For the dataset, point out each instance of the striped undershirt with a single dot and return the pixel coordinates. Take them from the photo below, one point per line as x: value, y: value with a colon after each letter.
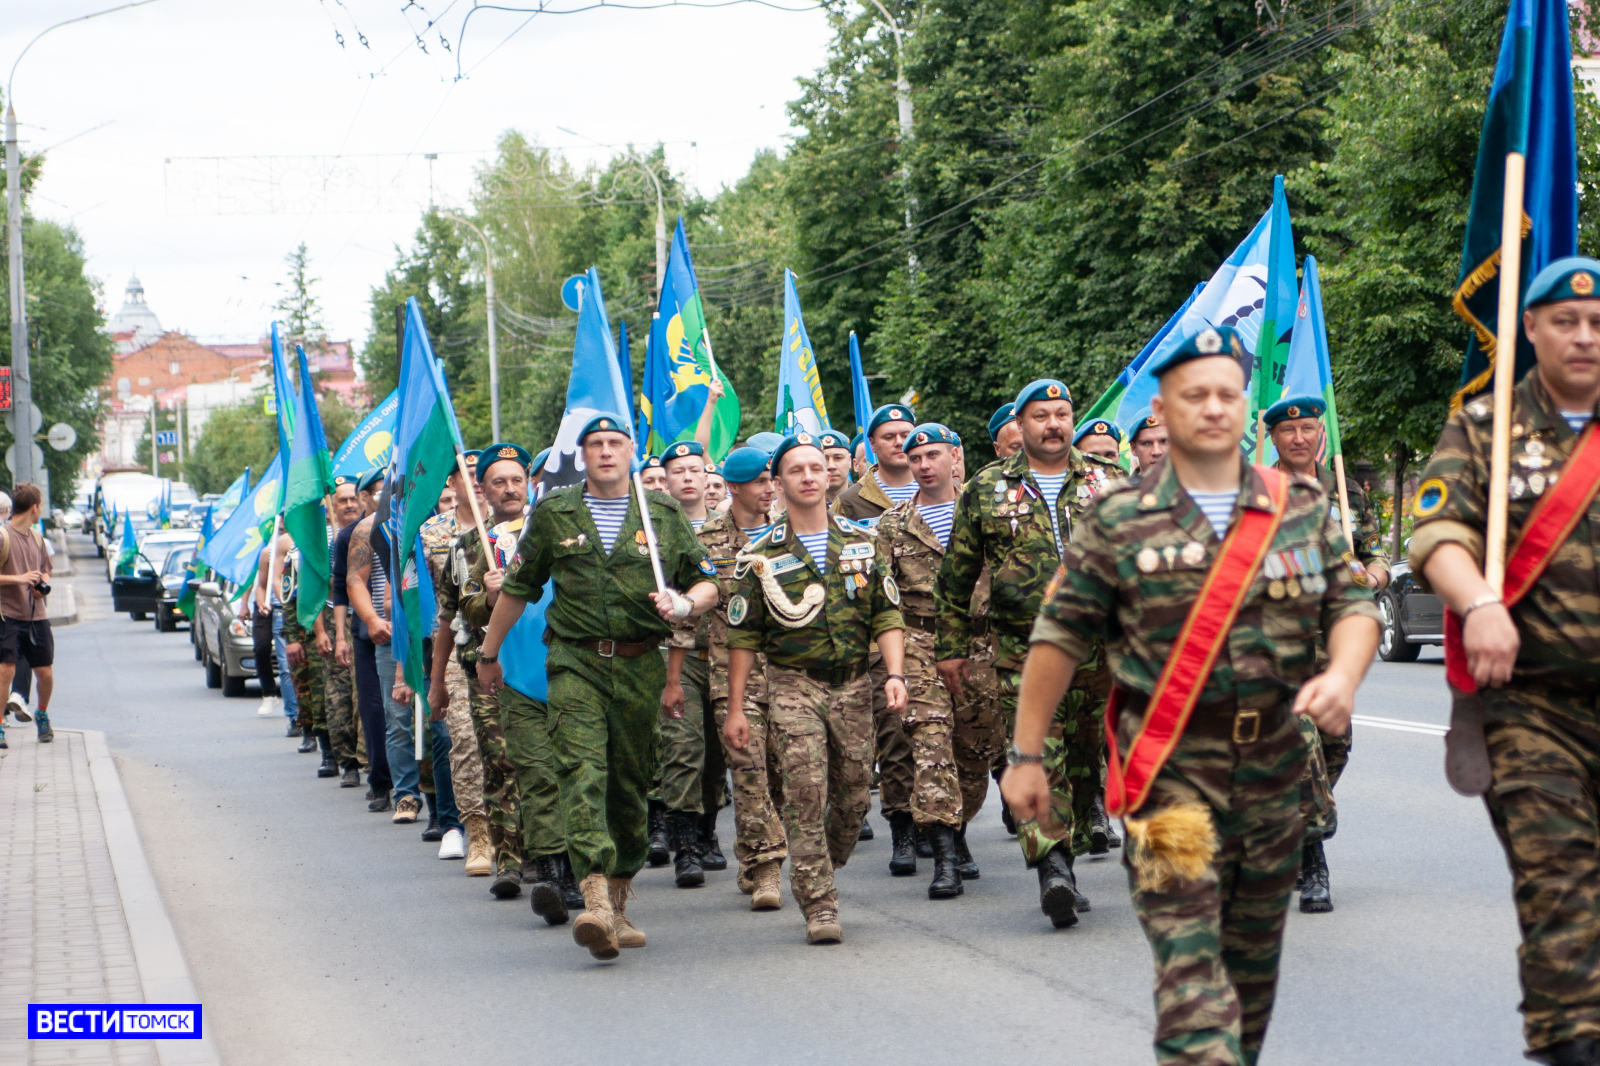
x: 817, y: 545
x: 608, y: 517
x: 697, y: 523
x: 1050, y: 486
x: 378, y: 584
x: 754, y: 532
x: 897, y: 493
x: 1218, y: 507
x: 1576, y: 419
x: 939, y: 517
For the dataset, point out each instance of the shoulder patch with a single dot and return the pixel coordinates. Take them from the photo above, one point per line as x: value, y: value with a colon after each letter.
x: 737, y: 607
x: 891, y: 591
x: 777, y: 533
x: 1431, y: 497
x: 1480, y: 408
x: 707, y: 568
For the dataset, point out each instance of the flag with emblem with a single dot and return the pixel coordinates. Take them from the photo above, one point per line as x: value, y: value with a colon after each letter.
x: 595, y: 386
x: 800, y: 402
x: 234, y: 493
x: 1277, y: 309
x: 1309, y: 371
x: 679, y: 364
x: 128, y: 550
x: 307, y: 480
x: 1109, y: 405
x: 1530, y: 113
x: 860, y: 394
x: 233, y: 549
x: 195, y: 569
x: 368, y: 445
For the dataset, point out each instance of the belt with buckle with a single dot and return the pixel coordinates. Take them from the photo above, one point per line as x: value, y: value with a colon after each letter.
x: 923, y: 622
x: 980, y: 626
x: 842, y: 675
x: 1219, y: 719
x: 610, y: 649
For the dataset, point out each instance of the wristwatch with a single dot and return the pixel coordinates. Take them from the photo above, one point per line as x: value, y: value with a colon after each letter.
x: 1016, y: 756
x: 484, y: 657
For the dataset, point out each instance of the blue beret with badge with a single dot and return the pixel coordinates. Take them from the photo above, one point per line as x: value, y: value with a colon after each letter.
x: 930, y: 433
x: 711, y: 468
x: 1572, y: 277
x: 1145, y: 419
x: 496, y: 453
x: 790, y: 443
x: 1043, y: 389
x: 889, y: 412
x: 602, y: 422
x: 1294, y: 407
x: 682, y: 450
x: 857, y: 441
x: 765, y: 441
x: 369, y: 479
x: 1000, y: 419
x: 832, y: 438
x: 1219, y: 340
x: 472, y: 456
x: 653, y: 460
x: 1102, y: 426
x: 743, y: 465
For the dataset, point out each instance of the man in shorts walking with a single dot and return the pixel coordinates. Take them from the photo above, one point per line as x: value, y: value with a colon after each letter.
x: 24, y: 585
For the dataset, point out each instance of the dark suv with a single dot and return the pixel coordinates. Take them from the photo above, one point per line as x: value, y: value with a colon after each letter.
x: 1411, y: 617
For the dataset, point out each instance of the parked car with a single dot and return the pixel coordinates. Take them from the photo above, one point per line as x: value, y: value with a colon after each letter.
x: 227, y: 645
x: 1411, y: 617
x: 140, y: 592
x: 174, y: 572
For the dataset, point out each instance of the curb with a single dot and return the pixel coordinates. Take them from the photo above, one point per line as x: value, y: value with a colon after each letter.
x: 69, y: 616
x: 163, y: 970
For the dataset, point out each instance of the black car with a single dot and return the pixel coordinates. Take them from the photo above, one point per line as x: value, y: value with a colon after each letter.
x: 1411, y: 617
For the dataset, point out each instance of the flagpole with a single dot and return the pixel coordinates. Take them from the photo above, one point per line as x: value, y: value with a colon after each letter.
x: 649, y: 532
x: 416, y: 704
x: 272, y: 557
x: 1505, y: 369
x: 472, y: 498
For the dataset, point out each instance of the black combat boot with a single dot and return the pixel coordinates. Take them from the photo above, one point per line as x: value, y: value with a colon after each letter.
x: 1058, y: 889
x: 433, y: 833
x: 1315, y: 897
x: 685, y: 829
x: 966, y: 866
x: 329, y: 768
x: 660, y: 850
x: 1006, y: 818
x: 866, y: 829
x: 507, y: 882
x: 924, y: 845
x: 903, y: 859
x: 711, y: 857
x: 946, y: 883
x: 571, y: 894
x: 1099, y: 829
x: 380, y: 800
x: 294, y: 728
x: 1584, y: 1051
x: 352, y: 777
x: 546, y: 890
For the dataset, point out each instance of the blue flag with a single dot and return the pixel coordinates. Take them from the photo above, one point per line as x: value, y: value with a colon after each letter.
x: 636, y: 418
x: 677, y: 384
x: 368, y: 445
x: 800, y: 402
x: 128, y: 550
x: 595, y: 387
x: 860, y: 394
x: 234, y: 493
x: 232, y: 551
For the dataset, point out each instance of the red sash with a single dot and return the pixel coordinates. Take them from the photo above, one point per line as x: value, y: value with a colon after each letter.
x: 1193, y: 653
x: 1549, y: 524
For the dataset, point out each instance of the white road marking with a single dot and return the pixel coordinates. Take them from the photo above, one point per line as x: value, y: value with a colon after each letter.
x: 1401, y: 724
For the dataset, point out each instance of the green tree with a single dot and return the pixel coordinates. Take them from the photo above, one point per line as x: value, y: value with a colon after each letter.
x: 299, y: 306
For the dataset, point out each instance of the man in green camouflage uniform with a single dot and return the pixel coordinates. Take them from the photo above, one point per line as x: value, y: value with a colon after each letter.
x: 812, y: 594
x: 605, y: 677
x: 344, y: 732
x: 1004, y: 520
x: 1537, y: 665
x: 1214, y: 845
x: 1295, y: 423
x: 913, y: 533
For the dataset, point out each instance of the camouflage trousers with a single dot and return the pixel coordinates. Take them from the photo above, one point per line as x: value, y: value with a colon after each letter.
x: 693, y: 774
x: 526, y: 722
x: 1544, y: 754
x: 1329, y: 756
x: 897, y: 767
x: 1074, y: 762
x: 979, y: 738
x: 825, y: 738
x: 344, y: 731
x: 466, y: 762
x: 756, y: 773
x: 500, y: 793
x: 603, y: 714
x: 310, y: 676
x: 928, y: 725
x: 1217, y: 939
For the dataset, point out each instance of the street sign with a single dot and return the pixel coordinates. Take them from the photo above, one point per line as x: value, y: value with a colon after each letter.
x: 572, y: 291
x: 35, y: 420
x: 5, y: 388
x: 166, y: 436
x: 11, y: 458
x: 62, y: 436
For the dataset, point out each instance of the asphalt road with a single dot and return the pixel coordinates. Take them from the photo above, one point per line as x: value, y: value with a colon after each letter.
x: 320, y: 933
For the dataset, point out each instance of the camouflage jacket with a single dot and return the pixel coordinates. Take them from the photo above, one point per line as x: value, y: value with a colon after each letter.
x: 438, y: 534
x: 604, y: 595
x: 722, y: 540
x: 859, y: 597
x: 1001, y: 520
x: 864, y: 500
x: 1559, y: 619
x: 1140, y: 556
x: 1363, y: 520
x: 914, y: 555
x: 458, y: 581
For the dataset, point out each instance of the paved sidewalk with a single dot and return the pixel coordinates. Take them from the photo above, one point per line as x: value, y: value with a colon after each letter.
x: 81, y: 920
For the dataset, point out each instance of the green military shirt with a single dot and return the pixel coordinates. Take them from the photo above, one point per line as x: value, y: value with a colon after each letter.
x: 723, y: 541
x: 859, y: 599
x: 1139, y: 557
x: 864, y: 500
x: 604, y: 595
x: 1559, y: 618
x: 1001, y: 520
x: 1363, y: 519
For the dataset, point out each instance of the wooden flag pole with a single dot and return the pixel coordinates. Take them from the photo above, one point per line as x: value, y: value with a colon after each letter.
x: 472, y: 498
x: 649, y: 532
x: 1507, y: 325
x: 1344, y: 502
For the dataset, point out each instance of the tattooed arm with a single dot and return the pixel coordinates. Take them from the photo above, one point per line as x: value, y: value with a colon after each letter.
x: 358, y: 582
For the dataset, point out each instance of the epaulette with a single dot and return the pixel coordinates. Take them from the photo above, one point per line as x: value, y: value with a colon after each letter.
x: 435, y: 520
x: 657, y: 496
x: 1481, y: 408
x: 849, y: 527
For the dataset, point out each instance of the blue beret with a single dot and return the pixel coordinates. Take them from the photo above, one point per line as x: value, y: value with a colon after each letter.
x: 789, y: 444
x: 832, y: 438
x: 653, y: 460
x: 889, y: 412
x: 765, y: 441
x: 931, y: 433
x: 711, y: 468
x: 997, y: 421
x: 1294, y: 407
x: 857, y: 441
x: 682, y: 450
x: 1573, y: 277
x: 599, y: 422
x: 495, y: 453
x: 370, y: 478
x: 538, y: 461
x: 1103, y: 426
x: 743, y: 465
x: 1222, y: 340
x: 1145, y: 419
x: 1043, y: 389
x: 472, y: 456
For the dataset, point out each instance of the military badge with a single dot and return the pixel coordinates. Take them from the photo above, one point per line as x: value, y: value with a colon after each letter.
x: 802, y: 438
x: 511, y: 453
x: 682, y: 449
x: 1193, y: 554
x: 736, y: 610
x: 1293, y: 411
x: 1053, y: 391
x: 1147, y: 560
x: 1431, y: 496
x: 891, y: 590
x: 1100, y: 427
x: 1582, y: 283
x: 1209, y: 342
x: 707, y: 568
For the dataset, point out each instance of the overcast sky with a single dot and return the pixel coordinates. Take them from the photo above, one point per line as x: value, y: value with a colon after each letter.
x: 190, y: 94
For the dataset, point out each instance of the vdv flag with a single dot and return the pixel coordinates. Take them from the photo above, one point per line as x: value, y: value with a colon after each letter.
x: 1110, y: 402
x: 233, y: 495
x: 1309, y: 371
x: 595, y: 387
x: 1530, y: 113
x: 233, y: 550
x: 800, y: 402
x: 1278, y: 308
x: 636, y: 418
x: 195, y: 567
x: 678, y: 384
x: 128, y: 550
x: 860, y: 394
x: 368, y: 445
x: 307, y: 482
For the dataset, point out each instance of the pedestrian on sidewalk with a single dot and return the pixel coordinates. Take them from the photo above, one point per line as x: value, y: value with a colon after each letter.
x: 25, y: 632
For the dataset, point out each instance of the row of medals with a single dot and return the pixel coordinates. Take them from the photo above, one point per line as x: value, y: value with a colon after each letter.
x: 854, y: 571
x: 1532, y: 458
x: 1290, y: 573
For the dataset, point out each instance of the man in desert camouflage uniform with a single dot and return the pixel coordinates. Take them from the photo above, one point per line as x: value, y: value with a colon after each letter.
x: 1213, y: 814
x: 1533, y: 750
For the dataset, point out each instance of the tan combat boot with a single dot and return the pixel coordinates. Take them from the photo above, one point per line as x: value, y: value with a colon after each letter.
x: 628, y: 934
x: 767, y: 893
x: 480, y: 855
x: 745, y: 879
x: 594, y: 928
x: 822, y: 922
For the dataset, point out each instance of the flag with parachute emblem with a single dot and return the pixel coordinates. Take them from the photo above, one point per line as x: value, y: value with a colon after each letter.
x: 307, y: 480
x: 800, y: 402
x: 368, y: 445
x: 594, y: 388
x: 233, y: 549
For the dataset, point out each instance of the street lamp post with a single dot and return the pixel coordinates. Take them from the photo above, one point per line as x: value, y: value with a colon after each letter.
x: 494, y: 357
